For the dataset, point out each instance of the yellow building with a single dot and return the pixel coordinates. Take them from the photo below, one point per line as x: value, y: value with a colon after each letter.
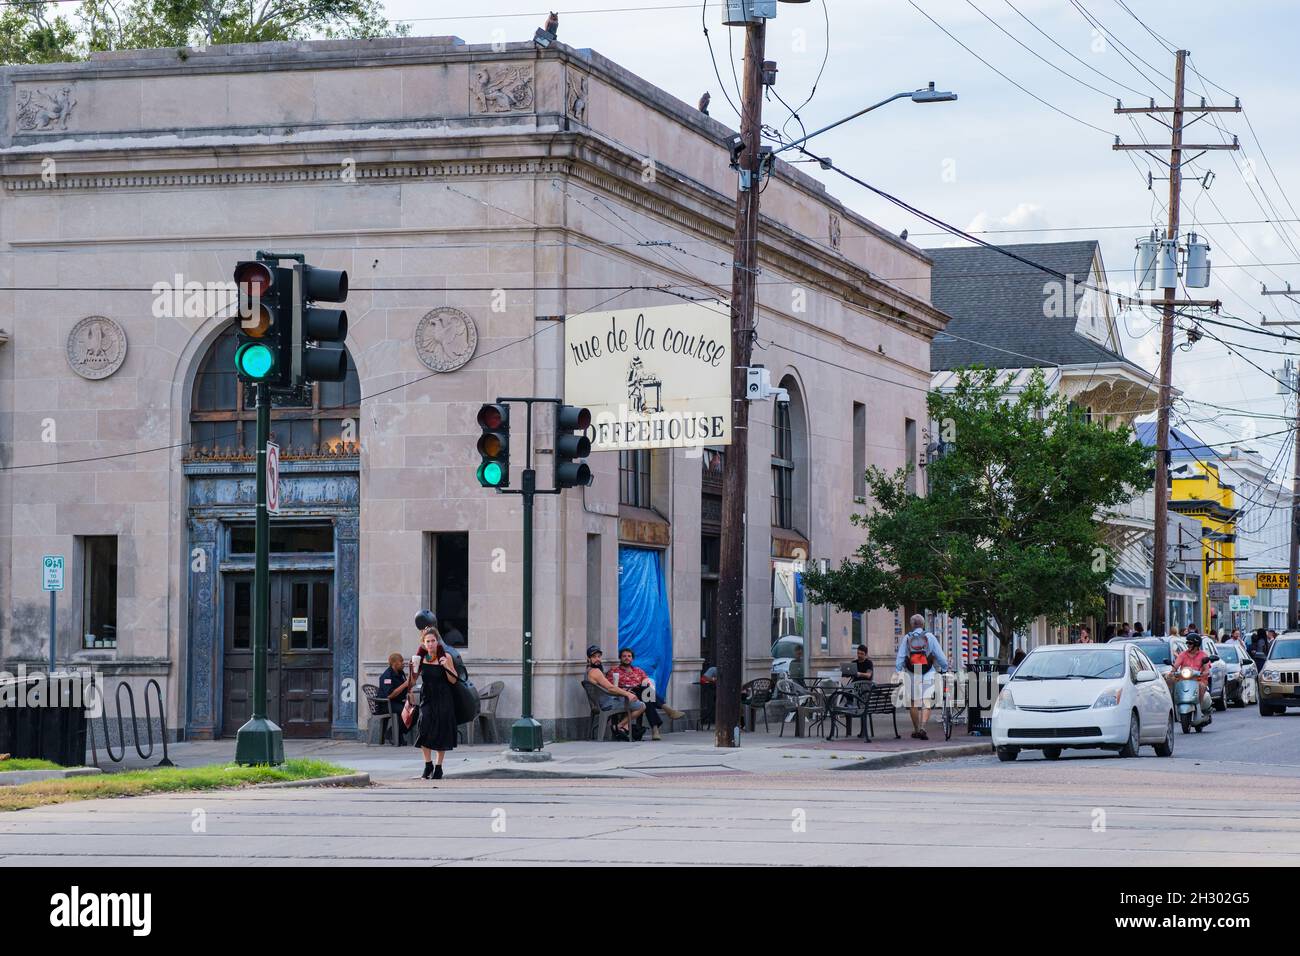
x: 1199, y: 492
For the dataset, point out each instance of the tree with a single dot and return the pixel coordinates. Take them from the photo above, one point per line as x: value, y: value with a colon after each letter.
x: 1008, y: 530
x: 29, y: 33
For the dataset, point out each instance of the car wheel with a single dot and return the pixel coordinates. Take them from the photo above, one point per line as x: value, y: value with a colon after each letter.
x: 1166, y: 747
x: 1007, y: 754
x: 1267, y: 711
x: 1222, y: 703
x: 1130, y: 748
x: 1185, y: 721
x: 1052, y: 753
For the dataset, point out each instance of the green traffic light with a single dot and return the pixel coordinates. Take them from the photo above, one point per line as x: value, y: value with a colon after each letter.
x: 490, y: 474
x: 255, y: 360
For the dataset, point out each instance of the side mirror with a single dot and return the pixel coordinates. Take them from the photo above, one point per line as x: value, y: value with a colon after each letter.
x: 1213, y: 658
x: 1145, y: 677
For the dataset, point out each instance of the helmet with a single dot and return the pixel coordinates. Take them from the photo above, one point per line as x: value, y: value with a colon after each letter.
x: 1194, y: 641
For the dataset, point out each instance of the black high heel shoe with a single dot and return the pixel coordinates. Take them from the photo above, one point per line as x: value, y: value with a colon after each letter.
x: 428, y: 770
x: 437, y: 772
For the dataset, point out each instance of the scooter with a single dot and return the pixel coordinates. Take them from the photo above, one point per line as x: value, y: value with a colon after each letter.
x: 1187, y: 700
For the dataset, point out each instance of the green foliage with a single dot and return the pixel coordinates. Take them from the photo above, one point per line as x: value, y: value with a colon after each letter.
x: 161, y: 780
x: 1008, y: 530
x: 30, y: 32
x: 27, y: 763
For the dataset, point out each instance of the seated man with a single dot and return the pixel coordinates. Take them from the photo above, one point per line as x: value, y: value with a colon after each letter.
x: 614, y: 695
x: 865, y: 669
x: 393, y: 687
x: 632, y: 678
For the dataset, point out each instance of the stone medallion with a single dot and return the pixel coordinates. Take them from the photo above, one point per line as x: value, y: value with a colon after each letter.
x: 446, y: 339
x: 96, y: 347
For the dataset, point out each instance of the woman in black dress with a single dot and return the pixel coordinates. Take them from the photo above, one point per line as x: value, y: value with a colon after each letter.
x: 436, y: 671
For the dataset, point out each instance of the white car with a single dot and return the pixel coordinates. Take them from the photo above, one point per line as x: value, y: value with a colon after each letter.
x: 1084, y: 696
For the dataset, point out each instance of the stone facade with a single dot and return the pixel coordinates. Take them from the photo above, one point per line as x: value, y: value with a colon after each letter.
x: 511, y: 186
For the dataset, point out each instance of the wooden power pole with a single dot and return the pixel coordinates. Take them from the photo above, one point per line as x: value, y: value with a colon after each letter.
x: 1293, y: 387
x: 1170, y: 303
x: 731, y: 579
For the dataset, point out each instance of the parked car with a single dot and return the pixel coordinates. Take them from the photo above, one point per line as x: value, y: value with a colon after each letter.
x: 1279, y: 681
x: 1159, y: 650
x: 1084, y: 696
x: 1241, y: 671
x: 787, y: 657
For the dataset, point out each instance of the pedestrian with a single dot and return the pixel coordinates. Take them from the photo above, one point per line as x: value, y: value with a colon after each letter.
x: 1125, y: 630
x: 1137, y: 629
x: 1085, y: 636
x: 435, y: 668
x: 1019, y: 656
x: 918, y: 653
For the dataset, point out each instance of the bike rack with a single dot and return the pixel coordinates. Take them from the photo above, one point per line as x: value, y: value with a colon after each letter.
x: 135, y: 726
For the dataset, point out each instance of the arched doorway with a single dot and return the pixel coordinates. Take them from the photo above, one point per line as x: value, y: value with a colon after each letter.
x: 312, y: 650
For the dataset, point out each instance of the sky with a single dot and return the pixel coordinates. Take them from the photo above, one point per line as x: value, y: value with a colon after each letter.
x: 1007, y: 158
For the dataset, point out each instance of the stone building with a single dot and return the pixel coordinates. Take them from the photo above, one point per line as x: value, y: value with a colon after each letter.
x: 476, y: 195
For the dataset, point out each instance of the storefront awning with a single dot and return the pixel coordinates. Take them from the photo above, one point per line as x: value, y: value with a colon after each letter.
x: 1180, y: 589
x: 1129, y: 582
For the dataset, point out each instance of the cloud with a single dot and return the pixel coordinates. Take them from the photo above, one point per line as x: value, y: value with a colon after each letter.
x: 1026, y: 215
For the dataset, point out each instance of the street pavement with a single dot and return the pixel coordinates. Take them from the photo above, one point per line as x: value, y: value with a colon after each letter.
x: 1229, y: 796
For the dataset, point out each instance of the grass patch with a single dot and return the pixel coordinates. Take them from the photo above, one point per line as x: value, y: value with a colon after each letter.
x: 27, y: 763
x: 133, y: 783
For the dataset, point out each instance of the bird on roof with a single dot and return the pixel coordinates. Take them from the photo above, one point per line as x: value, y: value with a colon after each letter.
x: 552, y: 24
x: 903, y: 235
x: 704, y: 103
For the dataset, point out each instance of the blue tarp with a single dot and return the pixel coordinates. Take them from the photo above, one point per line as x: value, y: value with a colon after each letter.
x: 644, y: 621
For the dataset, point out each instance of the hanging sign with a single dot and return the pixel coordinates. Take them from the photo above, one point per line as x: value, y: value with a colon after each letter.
x: 653, y: 378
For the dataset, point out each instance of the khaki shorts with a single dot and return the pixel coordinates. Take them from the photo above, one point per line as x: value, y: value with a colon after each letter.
x: 919, y: 689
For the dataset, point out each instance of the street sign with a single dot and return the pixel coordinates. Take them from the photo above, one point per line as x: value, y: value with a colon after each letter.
x: 52, y: 572
x: 1221, y: 590
x: 1273, y: 580
x: 1238, y: 603
x: 272, y: 478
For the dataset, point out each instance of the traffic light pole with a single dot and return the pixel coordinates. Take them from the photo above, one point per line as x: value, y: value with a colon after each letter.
x: 526, y: 732
x: 260, y: 741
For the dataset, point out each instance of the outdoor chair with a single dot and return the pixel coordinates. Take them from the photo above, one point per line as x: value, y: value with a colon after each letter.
x: 384, y: 724
x: 798, y: 704
x: 487, y: 714
x: 755, y: 696
x: 603, y: 721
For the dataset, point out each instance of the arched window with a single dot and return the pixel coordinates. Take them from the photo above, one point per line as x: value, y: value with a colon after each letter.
x: 790, y: 461
x: 223, y: 417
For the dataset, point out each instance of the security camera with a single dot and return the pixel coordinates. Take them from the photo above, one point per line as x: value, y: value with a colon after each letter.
x: 782, y: 395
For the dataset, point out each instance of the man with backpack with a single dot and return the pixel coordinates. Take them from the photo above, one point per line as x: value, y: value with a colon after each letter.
x: 918, y: 653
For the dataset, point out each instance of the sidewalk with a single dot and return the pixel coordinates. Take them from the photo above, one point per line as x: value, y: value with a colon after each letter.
x: 688, y: 752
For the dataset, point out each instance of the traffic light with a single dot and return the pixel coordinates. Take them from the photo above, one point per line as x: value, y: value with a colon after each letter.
x: 259, y: 349
x: 569, y: 446
x: 494, y: 446
x: 312, y: 360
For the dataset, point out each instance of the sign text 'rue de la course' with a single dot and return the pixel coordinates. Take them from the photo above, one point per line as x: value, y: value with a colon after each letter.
x: 653, y: 378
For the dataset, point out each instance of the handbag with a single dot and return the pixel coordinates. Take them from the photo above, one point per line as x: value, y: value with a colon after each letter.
x: 464, y: 696
x: 408, y: 713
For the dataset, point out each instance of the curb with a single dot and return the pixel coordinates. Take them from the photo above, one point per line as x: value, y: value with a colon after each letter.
x: 515, y: 773
x: 14, y: 778
x: 343, y: 780
x: 906, y: 758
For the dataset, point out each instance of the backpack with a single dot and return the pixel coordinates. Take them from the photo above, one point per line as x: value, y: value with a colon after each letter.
x: 918, y: 651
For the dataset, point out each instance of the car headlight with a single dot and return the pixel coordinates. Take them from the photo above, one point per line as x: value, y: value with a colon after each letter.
x: 1005, y: 701
x: 1271, y: 675
x: 1186, y: 673
x: 1109, y: 698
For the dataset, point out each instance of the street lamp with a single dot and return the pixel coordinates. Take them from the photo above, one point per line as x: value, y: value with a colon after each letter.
x: 926, y: 94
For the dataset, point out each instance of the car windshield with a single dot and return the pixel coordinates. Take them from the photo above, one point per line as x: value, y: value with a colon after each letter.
x: 1228, y: 654
x: 1158, y: 651
x: 1285, y: 647
x: 786, y: 648
x: 1072, y: 665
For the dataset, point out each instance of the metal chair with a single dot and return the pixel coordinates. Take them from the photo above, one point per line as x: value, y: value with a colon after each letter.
x: 755, y: 696
x: 487, y: 714
x: 382, y: 718
x: 791, y: 698
x: 601, y: 727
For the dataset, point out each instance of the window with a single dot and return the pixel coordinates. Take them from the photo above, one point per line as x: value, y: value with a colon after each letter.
x: 909, y: 428
x: 99, y: 597
x: 634, y: 478
x: 782, y: 468
x: 593, y: 589
x: 223, y: 418
x: 285, y: 539
x: 449, y: 585
x: 859, y: 450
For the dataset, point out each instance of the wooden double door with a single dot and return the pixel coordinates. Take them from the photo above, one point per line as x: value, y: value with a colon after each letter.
x: 300, y: 654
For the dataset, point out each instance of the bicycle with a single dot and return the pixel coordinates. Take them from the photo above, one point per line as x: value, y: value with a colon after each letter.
x: 948, y: 692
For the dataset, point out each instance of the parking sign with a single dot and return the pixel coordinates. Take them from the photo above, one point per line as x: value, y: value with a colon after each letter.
x: 52, y: 572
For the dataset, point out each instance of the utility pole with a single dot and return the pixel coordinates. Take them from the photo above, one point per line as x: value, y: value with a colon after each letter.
x: 731, y: 578
x: 1175, y: 147
x: 1293, y: 386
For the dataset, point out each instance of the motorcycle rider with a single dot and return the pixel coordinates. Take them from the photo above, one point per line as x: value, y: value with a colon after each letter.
x: 1196, y: 659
